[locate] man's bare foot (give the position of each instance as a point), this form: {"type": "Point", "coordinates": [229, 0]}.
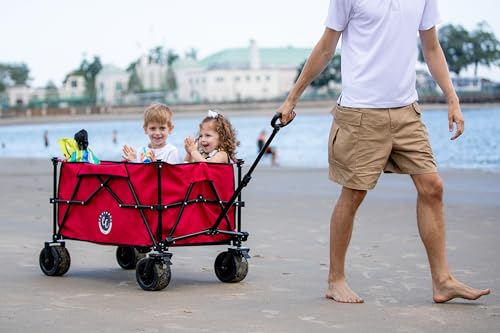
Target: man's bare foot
{"type": "Point", "coordinates": [452, 288]}
{"type": "Point", "coordinates": [340, 292]}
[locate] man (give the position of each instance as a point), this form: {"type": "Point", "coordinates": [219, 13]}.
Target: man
{"type": "Point", "coordinates": [377, 123]}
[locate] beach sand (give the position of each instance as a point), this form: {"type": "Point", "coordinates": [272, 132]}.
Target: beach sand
{"type": "Point", "coordinates": [287, 215]}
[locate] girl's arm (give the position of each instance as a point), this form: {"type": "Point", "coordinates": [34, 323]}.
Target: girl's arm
{"type": "Point", "coordinates": [192, 153]}
{"type": "Point", "coordinates": [219, 157]}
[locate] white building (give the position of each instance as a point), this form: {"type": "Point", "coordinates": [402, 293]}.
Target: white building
{"type": "Point", "coordinates": [470, 84]}
{"type": "Point", "coordinates": [21, 96]}
{"type": "Point", "coordinates": [111, 85]}
{"type": "Point", "coordinates": [73, 87]}
{"type": "Point", "coordinates": [152, 76]}
{"type": "Point", "coordinates": [240, 74]}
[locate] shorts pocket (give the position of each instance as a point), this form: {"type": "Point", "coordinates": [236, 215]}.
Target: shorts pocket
{"type": "Point", "coordinates": [348, 116]}
{"type": "Point", "coordinates": [416, 108]}
{"type": "Point", "coordinates": [343, 145]}
{"type": "Point", "coordinates": [331, 141]}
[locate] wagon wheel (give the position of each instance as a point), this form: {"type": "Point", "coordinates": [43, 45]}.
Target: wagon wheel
{"type": "Point", "coordinates": [128, 256]}
{"type": "Point", "coordinates": [152, 274]}
{"type": "Point", "coordinates": [54, 260]}
{"type": "Point", "coordinates": [231, 267]}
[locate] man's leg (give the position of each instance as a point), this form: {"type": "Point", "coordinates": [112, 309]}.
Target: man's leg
{"type": "Point", "coordinates": [341, 224]}
{"type": "Point", "coordinates": [430, 219]}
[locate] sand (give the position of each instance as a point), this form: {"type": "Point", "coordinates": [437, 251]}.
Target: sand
{"type": "Point", "coordinates": [287, 213]}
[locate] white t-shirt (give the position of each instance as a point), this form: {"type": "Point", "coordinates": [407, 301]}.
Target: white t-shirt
{"type": "Point", "coordinates": [379, 48]}
{"type": "Point", "coordinates": [167, 153]}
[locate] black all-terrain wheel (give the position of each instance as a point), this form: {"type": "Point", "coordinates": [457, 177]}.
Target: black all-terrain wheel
{"type": "Point", "coordinates": [128, 256]}
{"type": "Point", "coordinates": [231, 267]}
{"type": "Point", "coordinates": [152, 274]}
{"type": "Point", "coordinates": [54, 260]}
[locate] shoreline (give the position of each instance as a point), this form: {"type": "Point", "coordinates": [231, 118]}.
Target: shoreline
{"type": "Point", "coordinates": [180, 111]}
{"type": "Point", "coordinates": [31, 161]}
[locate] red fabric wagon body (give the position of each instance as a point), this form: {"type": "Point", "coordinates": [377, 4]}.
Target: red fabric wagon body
{"type": "Point", "coordinates": [124, 203]}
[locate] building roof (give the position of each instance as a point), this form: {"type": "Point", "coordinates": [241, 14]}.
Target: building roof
{"type": "Point", "coordinates": [277, 57]}
{"type": "Point", "coordinates": [186, 63]}
{"type": "Point", "coordinates": [111, 69]}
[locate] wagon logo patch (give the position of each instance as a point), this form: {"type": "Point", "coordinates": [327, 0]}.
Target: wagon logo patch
{"type": "Point", "coordinates": [105, 222]}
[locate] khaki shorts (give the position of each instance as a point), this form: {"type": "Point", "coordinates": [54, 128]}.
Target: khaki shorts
{"type": "Point", "coordinates": [365, 142]}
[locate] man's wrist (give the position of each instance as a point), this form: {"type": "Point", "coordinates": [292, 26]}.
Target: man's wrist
{"type": "Point", "coordinates": [453, 100]}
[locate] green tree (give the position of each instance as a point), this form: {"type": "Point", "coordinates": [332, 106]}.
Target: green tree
{"type": "Point", "coordinates": [331, 72]}
{"type": "Point", "coordinates": [171, 81]}
{"type": "Point", "coordinates": [192, 53]}
{"type": "Point", "coordinates": [51, 94]}
{"type": "Point", "coordinates": [158, 56]}
{"type": "Point", "coordinates": [162, 56]}
{"type": "Point", "coordinates": [456, 45]}
{"type": "Point", "coordinates": [89, 70]}
{"type": "Point", "coordinates": [134, 82]}
{"type": "Point", "coordinates": [13, 74]}
{"type": "Point", "coordinates": [485, 48]}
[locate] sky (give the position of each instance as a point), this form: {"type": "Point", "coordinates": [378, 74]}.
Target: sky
{"type": "Point", "coordinates": [53, 36]}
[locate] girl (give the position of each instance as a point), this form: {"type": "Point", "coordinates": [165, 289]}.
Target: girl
{"type": "Point", "coordinates": [216, 141]}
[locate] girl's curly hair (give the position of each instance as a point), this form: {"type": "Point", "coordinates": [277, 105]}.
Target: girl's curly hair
{"type": "Point", "coordinates": [227, 134]}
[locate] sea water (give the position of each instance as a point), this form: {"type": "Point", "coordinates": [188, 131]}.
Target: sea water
{"type": "Point", "coordinates": [301, 144]}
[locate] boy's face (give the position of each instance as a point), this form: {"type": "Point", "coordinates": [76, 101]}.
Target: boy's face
{"type": "Point", "coordinates": [157, 134]}
{"type": "Point", "coordinates": [208, 140]}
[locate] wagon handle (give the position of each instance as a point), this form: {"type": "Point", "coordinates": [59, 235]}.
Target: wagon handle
{"type": "Point", "coordinates": [277, 116]}
{"type": "Point", "coordinates": [248, 176]}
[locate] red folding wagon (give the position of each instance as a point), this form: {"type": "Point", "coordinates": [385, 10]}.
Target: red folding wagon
{"type": "Point", "coordinates": [144, 209]}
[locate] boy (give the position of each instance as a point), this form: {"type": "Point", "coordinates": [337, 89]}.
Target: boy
{"type": "Point", "coordinates": [157, 126]}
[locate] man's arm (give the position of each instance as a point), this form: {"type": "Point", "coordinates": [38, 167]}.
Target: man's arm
{"type": "Point", "coordinates": [434, 57]}
{"type": "Point", "coordinates": [317, 61]}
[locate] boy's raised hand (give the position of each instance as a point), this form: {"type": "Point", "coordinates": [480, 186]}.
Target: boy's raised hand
{"type": "Point", "coordinates": [129, 153]}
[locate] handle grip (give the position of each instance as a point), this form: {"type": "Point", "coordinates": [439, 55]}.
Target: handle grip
{"type": "Point", "coordinates": [276, 117]}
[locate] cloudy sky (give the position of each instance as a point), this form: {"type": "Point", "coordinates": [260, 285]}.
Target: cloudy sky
{"type": "Point", "coordinates": [53, 36]}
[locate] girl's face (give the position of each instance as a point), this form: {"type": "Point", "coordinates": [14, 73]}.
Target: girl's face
{"type": "Point", "coordinates": [208, 140]}
{"type": "Point", "coordinates": [157, 134]}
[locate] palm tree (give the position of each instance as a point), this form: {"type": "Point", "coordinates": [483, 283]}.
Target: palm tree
{"type": "Point", "coordinates": [485, 48]}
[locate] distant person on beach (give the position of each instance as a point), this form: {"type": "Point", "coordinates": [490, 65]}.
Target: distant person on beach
{"type": "Point", "coordinates": [158, 125]}
{"type": "Point", "coordinates": [378, 127]}
{"type": "Point", "coordinates": [115, 137]}
{"type": "Point", "coordinates": [46, 138]}
{"type": "Point", "coordinates": [261, 140]}
{"type": "Point", "coordinates": [216, 141]}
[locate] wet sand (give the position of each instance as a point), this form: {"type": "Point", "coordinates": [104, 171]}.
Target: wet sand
{"type": "Point", "coordinates": [287, 213]}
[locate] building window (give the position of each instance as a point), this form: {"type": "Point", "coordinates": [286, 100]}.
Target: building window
{"type": "Point", "coordinates": [237, 78]}
{"type": "Point", "coordinates": [74, 84]}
